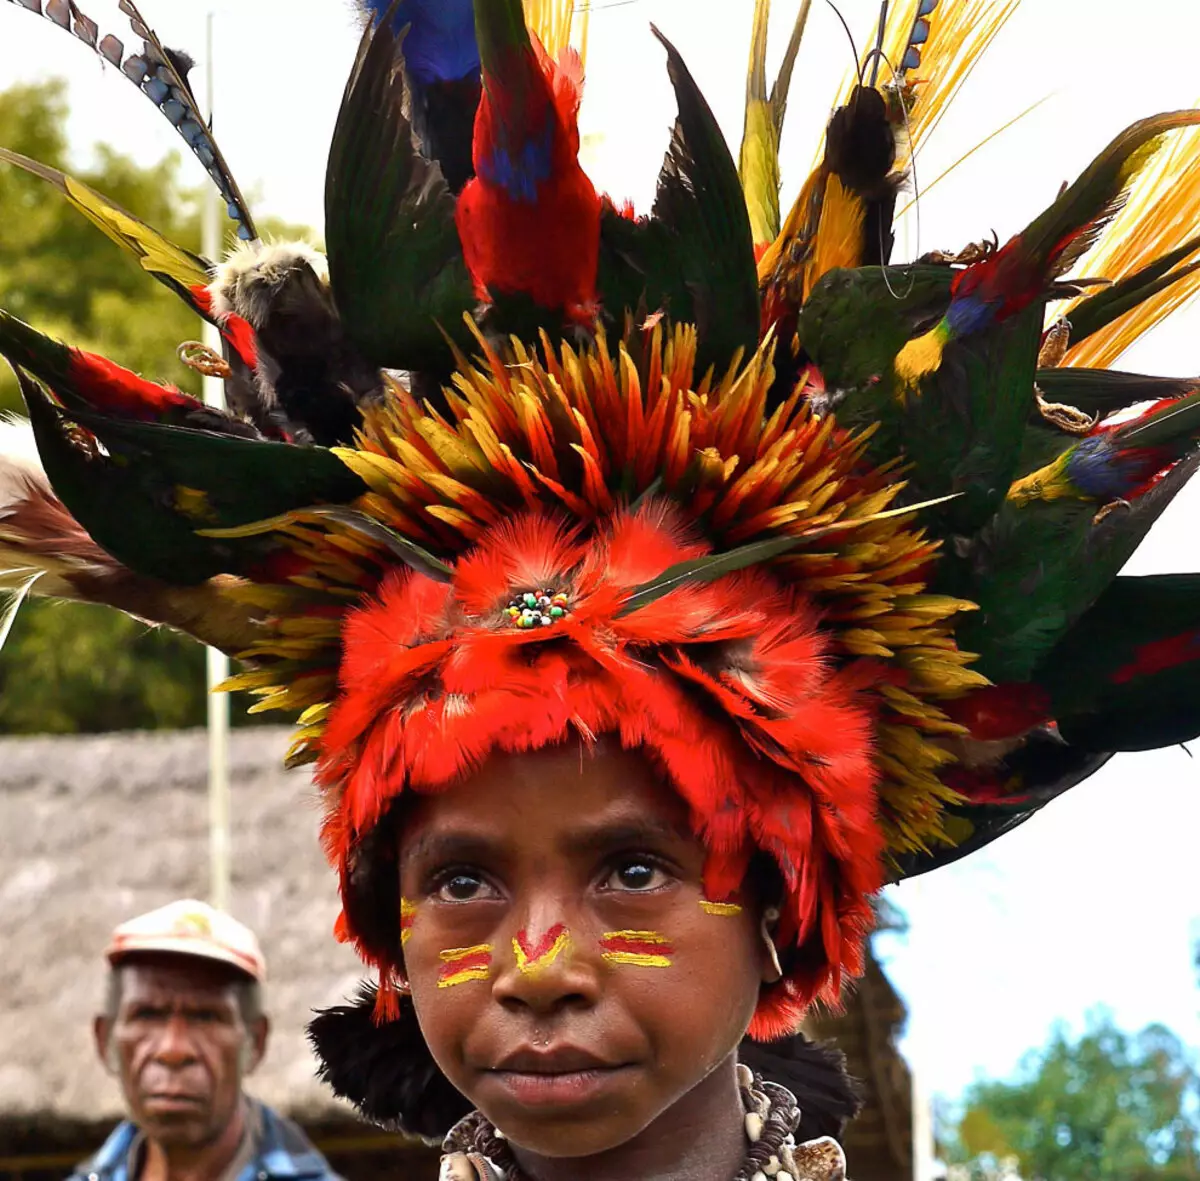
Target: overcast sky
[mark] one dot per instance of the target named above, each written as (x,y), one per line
(1093,902)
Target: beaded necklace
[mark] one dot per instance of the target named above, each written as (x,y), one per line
(476,1151)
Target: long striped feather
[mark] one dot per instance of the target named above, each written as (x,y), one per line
(161,75)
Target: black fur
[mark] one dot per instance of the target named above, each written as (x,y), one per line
(815,1072)
(386,1071)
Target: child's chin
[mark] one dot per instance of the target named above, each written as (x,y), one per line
(564,1116)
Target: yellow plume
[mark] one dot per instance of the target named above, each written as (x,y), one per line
(553,22)
(839,233)
(1162,214)
(758,162)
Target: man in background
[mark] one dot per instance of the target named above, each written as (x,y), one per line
(182,1026)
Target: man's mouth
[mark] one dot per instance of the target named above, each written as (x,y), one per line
(173,1101)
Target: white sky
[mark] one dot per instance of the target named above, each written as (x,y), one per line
(1094,901)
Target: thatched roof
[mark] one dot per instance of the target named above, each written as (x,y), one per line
(94,830)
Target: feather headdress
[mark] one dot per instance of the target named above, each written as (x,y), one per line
(834,542)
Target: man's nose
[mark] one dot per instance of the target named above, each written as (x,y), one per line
(175,1045)
(545,967)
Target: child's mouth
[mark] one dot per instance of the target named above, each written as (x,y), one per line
(561,1076)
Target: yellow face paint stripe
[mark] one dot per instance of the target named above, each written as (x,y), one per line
(408,912)
(723,909)
(464,964)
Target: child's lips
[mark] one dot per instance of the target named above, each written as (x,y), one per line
(559,1076)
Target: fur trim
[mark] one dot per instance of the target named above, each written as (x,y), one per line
(20,464)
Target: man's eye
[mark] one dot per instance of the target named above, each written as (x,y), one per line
(636,874)
(462,886)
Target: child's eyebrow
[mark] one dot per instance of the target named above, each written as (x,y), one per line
(619,834)
(601,837)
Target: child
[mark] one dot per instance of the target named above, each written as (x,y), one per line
(628,668)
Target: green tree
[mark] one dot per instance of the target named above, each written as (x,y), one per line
(1106,1105)
(69,668)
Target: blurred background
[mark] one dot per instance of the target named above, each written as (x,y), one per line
(1032,1011)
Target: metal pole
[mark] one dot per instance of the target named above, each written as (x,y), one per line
(219,841)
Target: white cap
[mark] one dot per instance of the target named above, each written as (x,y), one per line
(190,928)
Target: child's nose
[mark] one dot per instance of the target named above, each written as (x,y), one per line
(544,969)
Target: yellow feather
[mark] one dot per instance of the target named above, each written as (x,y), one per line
(553,22)
(1161,214)
(839,236)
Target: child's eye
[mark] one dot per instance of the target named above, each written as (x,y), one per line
(636,874)
(464,886)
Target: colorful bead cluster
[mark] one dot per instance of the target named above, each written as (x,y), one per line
(537,608)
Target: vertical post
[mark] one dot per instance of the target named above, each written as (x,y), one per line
(218,663)
(924,1147)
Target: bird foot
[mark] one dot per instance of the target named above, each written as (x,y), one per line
(1110,508)
(1055,345)
(1066,418)
(203,360)
(970,254)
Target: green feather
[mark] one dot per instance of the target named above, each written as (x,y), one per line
(499,28)
(708,569)
(147,492)
(395,263)
(1091,201)
(1037,567)
(1127,675)
(1105,391)
(1099,310)
(693,258)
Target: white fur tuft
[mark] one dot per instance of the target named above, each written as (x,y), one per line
(253,271)
(20,465)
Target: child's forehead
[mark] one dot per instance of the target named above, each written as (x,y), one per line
(578,799)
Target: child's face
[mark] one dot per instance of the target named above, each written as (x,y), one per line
(569,975)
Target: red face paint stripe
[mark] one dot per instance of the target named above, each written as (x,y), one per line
(533,957)
(465,963)
(643,949)
(408,912)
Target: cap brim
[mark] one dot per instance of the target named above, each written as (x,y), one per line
(197,948)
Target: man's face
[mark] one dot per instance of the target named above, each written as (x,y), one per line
(570,977)
(180,1045)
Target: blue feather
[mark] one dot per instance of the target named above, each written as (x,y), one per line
(440,46)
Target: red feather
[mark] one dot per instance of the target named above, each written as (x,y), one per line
(529,221)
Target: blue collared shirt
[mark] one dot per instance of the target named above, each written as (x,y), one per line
(280,1152)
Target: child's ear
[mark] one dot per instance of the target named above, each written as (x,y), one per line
(772,970)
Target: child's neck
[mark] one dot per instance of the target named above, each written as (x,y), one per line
(700,1138)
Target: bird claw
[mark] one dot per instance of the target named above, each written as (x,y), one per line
(1110,508)
(1066,418)
(204,360)
(1055,345)
(970,254)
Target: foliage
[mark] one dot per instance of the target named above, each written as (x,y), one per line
(67,667)
(1106,1105)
